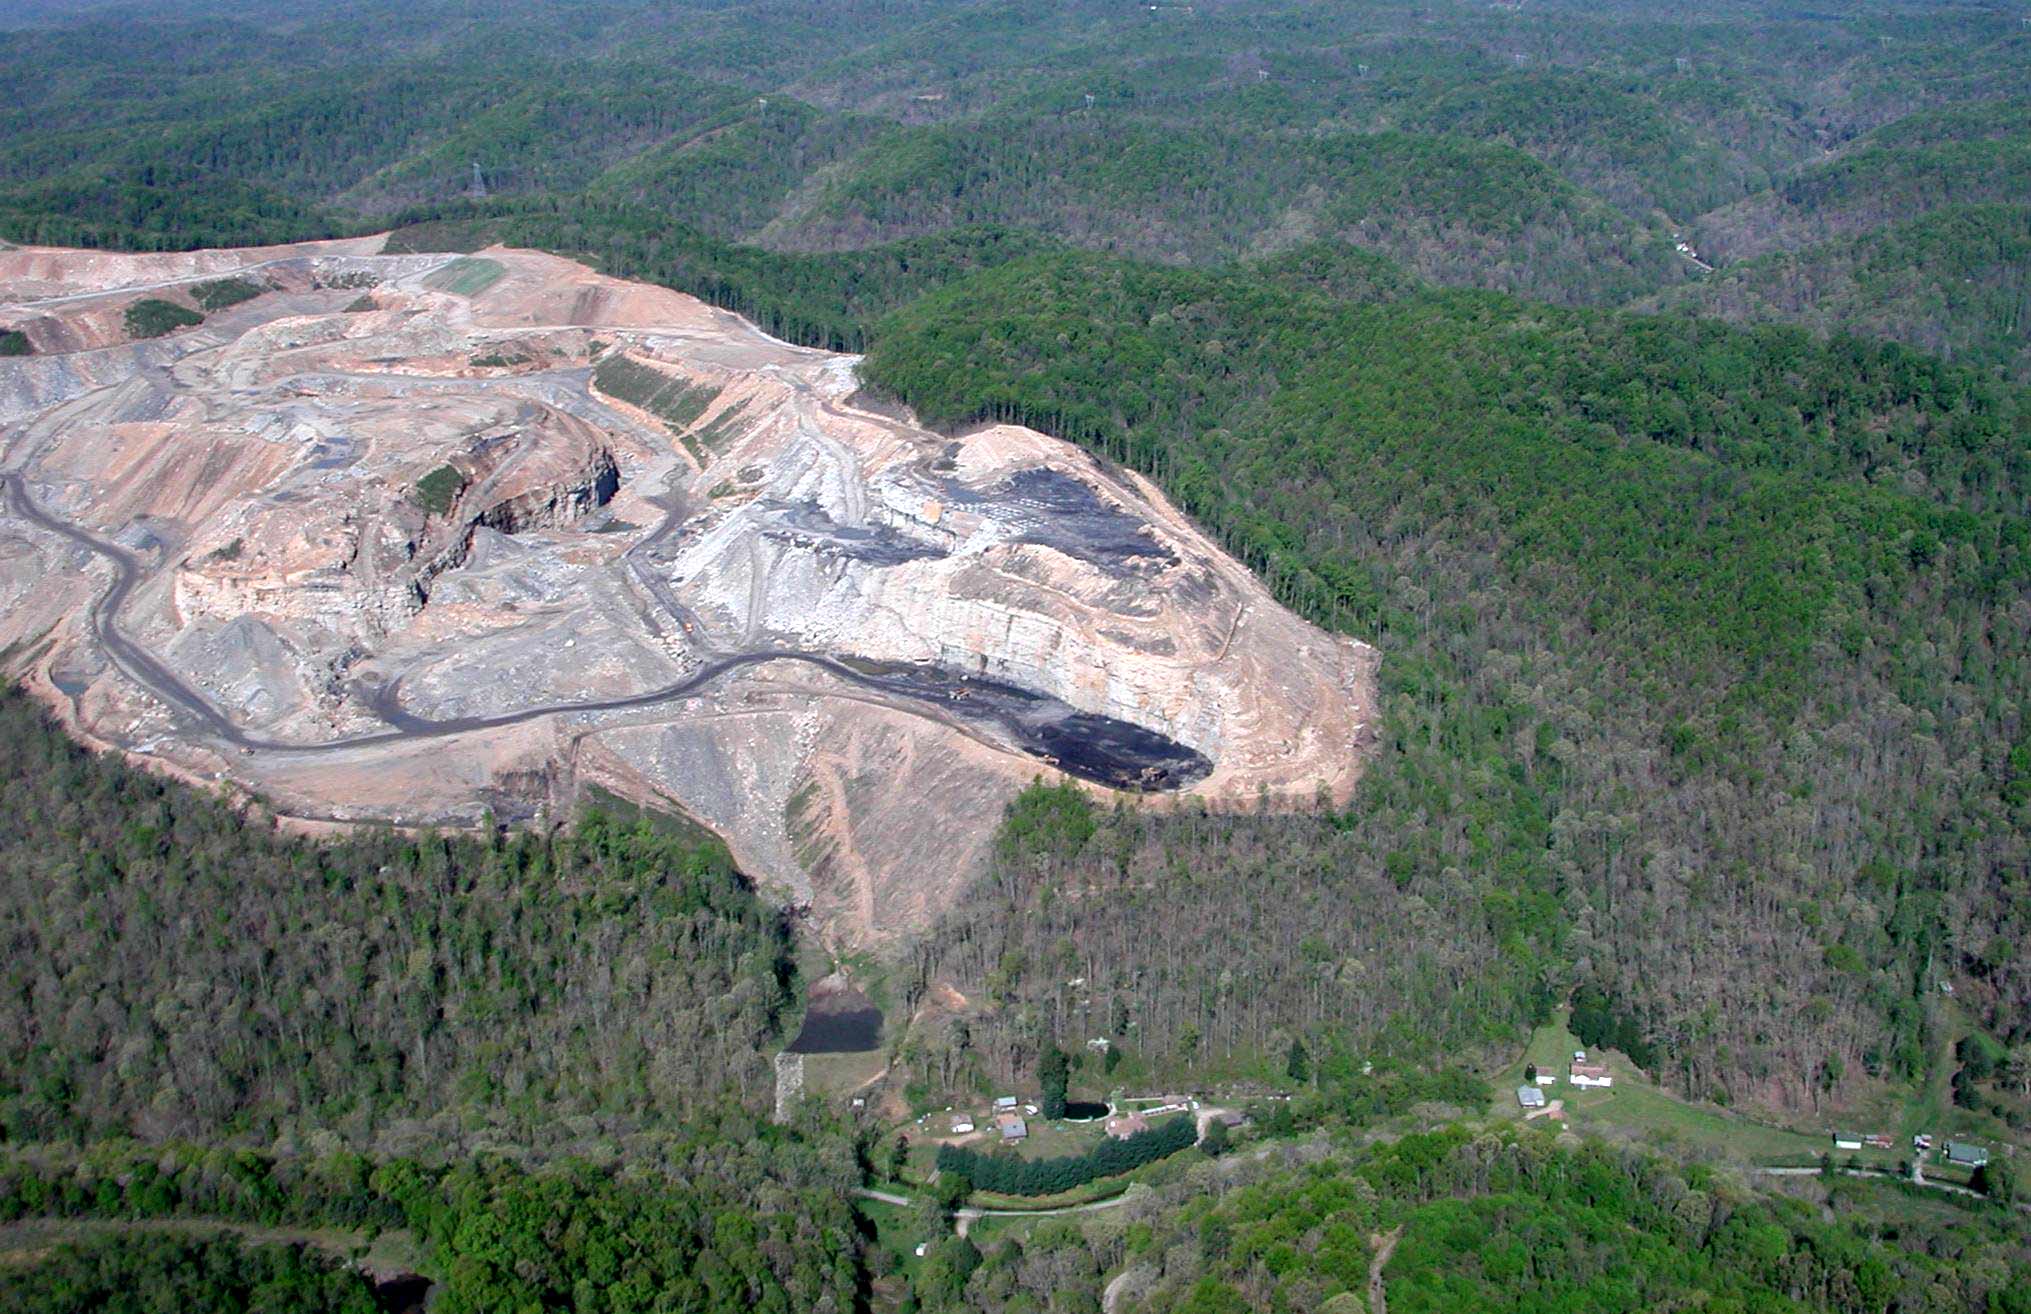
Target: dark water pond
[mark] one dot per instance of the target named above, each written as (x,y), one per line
(408,1293)
(1084,1111)
(839,1021)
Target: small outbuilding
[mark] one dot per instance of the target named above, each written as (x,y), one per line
(1847,1141)
(1966,1155)
(1530,1097)
(1013,1130)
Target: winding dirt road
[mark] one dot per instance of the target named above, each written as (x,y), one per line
(1013,712)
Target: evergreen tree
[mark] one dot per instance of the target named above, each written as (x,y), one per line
(1298,1065)
(1053,1073)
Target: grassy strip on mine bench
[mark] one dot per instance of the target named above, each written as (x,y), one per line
(153,317)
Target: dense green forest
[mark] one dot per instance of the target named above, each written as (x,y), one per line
(1703,651)
(1541,151)
(1508,1222)
(168,1275)
(174,968)
(734,1217)
(1552,150)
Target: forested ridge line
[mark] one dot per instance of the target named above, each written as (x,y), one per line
(1549,153)
(1955,282)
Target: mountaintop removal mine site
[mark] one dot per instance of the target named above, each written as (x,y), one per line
(429,539)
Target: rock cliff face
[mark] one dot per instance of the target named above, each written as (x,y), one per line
(427,538)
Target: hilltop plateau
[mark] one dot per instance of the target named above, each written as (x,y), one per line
(430,539)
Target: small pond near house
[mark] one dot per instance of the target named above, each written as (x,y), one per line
(839,1020)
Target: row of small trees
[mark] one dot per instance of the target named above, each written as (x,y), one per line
(1014,1176)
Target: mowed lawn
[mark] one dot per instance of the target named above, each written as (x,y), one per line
(1635,1107)
(1046,1140)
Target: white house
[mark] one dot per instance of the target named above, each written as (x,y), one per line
(1589,1074)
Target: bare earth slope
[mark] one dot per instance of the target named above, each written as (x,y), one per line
(421,538)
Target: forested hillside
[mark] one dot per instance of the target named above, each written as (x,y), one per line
(208,1273)
(1692,635)
(1868,188)
(1209,945)
(176,969)
(1540,151)
(737,1217)
(1955,282)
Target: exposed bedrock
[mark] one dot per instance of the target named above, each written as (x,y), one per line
(509,529)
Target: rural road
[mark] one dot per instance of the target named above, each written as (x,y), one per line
(1385,1246)
(1928,1183)
(969,1212)
(145,669)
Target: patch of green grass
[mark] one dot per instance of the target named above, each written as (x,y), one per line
(836,1076)
(361,303)
(497,361)
(1106,1188)
(442,235)
(153,317)
(230,552)
(668,821)
(674,401)
(896,1231)
(1896,1203)
(13,342)
(436,491)
(1055,1140)
(725,427)
(24,1241)
(223,292)
(466,276)
(1637,1107)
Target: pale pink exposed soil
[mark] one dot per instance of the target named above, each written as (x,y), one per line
(264,477)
